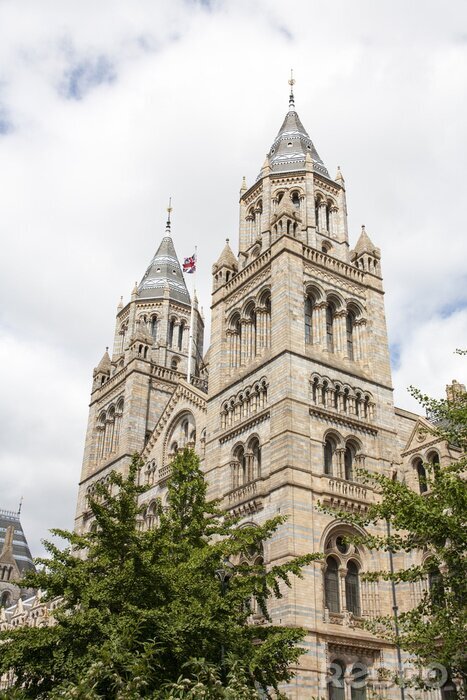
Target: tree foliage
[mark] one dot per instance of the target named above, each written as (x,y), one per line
(141,608)
(434,524)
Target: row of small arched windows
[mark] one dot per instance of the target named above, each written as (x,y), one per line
(246,403)
(345,399)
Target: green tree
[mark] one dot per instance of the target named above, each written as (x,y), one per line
(139,606)
(435,631)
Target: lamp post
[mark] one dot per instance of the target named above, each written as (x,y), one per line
(224,574)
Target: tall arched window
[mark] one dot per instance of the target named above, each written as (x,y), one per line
(255,449)
(349,457)
(171,332)
(435,584)
(154,322)
(352,593)
(421,474)
(350,321)
(309,303)
(433,459)
(317,203)
(330,313)
(181,328)
(6,599)
(331,585)
(359,682)
(336,682)
(239,475)
(329,450)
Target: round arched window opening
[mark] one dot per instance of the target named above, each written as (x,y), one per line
(342,545)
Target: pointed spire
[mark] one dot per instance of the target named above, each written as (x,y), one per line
(339,177)
(227,258)
(292,144)
(164,273)
(105,365)
(244,187)
(167,226)
(365,244)
(120,304)
(291,96)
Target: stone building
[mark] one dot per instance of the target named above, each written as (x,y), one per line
(15,558)
(299,395)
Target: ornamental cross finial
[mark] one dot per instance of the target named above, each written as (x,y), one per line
(169,209)
(291,96)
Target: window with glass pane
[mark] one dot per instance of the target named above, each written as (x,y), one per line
(352,595)
(331,585)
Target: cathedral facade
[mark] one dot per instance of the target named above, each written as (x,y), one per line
(292,396)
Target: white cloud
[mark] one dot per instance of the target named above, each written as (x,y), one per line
(185,98)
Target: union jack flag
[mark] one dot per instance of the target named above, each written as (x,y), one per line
(189,264)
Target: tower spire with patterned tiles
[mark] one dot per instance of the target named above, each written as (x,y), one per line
(292,143)
(164,270)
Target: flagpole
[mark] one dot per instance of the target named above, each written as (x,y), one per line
(192,316)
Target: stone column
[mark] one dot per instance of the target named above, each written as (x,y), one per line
(321,324)
(340,338)
(342,575)
(339,462)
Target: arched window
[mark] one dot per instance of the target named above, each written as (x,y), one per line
(359,682)
(435,584)
(296,200)
(329,450)
(352,593)
(6,599)
(181,328)
(309,304)
(433,459)
(154,327)
(331,585)
(239,475)
(349,457)
(336,682)
(350,321)
(171,332)
(255,448)
(328,214)
(421,474)
(317,203)
(330,313)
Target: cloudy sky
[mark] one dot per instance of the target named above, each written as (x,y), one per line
(109,107)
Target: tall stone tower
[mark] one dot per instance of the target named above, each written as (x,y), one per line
(131,388)
(299,397)
(300,394)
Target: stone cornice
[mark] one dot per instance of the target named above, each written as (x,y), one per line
(246,425)
(331,417)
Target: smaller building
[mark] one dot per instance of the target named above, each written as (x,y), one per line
(15,559)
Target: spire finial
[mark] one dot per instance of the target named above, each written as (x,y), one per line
(291,96)
(169,209)
(20,505)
